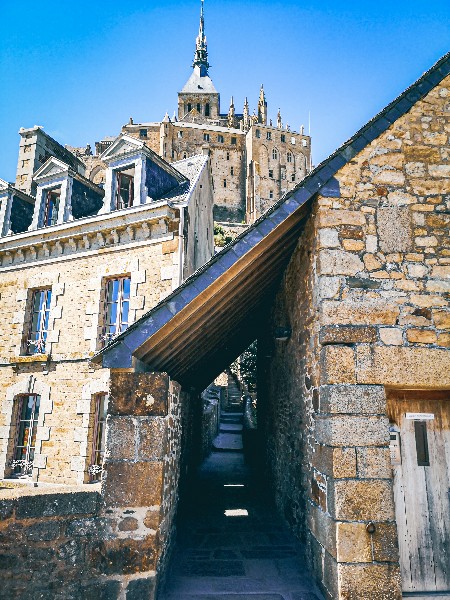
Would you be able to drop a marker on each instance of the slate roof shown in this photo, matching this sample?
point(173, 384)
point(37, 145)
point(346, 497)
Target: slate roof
point(213, 316)
point(198, 85)
point(191, 168)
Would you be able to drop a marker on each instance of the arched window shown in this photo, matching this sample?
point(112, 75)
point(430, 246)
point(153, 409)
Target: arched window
point(274, 154)
point(289, 157)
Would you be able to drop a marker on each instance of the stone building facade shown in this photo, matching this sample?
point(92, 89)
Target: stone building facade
point(254, 160)
point(79, 263)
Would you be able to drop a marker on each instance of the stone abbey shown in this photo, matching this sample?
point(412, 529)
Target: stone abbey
point(253, 160)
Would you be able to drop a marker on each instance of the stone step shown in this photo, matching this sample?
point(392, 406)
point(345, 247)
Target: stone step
point(231, 427)
point(228, 442)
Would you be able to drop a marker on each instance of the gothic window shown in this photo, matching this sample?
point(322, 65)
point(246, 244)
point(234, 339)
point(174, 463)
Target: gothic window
point(26, 428)
point(206, 137)
point(207, 109)
point(220, 139)
point(233, 140)
point(289, 157)
point(283, 137)
point(199, 107)
point(274, 154)
point(38, 326)
point(258, 133)
point(142, 133)
point(125, 188)
point(117, 306)
point(98, 437)
point(51, 207)
point(269, 135)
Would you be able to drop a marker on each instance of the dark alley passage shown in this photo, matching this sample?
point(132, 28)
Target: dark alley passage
point(231, 544)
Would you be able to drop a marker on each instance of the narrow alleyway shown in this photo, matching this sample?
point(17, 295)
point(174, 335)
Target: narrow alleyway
point(231, 544)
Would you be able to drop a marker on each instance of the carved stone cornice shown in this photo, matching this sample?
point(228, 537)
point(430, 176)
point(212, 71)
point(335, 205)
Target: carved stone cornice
point(133, 225)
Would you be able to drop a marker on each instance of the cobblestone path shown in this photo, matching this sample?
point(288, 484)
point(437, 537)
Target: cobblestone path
point(231, 544)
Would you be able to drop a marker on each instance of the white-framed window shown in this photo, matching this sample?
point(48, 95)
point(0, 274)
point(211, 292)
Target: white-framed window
point(25, 434)
point(98, 437)
point(37, 329)
point(206, 137)
point(124, 188)
point(51, 206)
point(289, 157)
point(220, 139)
point(117, 307)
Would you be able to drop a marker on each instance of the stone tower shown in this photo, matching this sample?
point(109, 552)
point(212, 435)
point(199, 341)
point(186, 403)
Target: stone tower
point(199, 97)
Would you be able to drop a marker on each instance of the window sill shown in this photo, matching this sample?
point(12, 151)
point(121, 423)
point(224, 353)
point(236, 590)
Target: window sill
point(32, 358)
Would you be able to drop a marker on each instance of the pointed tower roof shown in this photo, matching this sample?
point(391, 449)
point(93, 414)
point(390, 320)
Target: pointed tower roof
point(199, 81)
point(201, 48)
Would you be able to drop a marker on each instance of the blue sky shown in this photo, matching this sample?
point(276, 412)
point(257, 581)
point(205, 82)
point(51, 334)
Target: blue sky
point(81, 69)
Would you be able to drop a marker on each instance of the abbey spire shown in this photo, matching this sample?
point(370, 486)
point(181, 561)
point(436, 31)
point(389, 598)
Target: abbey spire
point(201, 48)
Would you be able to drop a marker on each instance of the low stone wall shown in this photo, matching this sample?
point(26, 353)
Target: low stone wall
point(73, 543)
point(48, 543)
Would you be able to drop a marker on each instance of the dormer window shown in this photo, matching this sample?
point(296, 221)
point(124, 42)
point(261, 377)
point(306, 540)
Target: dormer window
point(52, 199)
point(125, 188)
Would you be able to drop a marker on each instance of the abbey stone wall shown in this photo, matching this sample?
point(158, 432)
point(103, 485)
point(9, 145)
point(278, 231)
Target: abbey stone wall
point(366, 296)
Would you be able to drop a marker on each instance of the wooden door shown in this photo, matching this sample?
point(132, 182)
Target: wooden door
point(422, 487)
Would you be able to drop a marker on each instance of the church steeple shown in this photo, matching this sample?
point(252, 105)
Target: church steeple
point(201, 48)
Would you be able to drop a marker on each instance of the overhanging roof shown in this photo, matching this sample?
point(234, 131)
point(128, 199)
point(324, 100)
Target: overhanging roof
point(209, 320)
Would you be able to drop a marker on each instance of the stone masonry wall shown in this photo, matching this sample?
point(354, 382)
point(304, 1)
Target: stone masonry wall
point(46, 538)
point(117, 543)
point(63, 377)
point(367, 297)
